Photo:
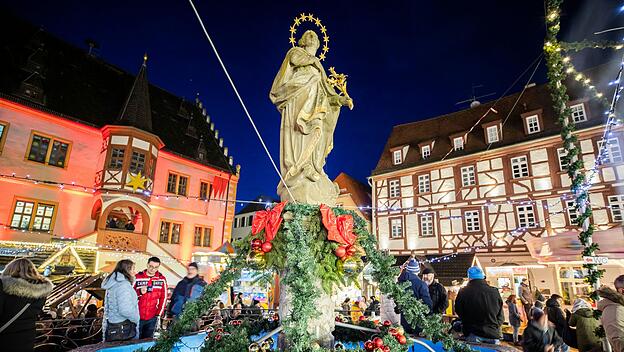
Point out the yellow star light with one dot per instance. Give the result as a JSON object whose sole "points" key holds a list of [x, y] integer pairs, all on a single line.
{"points": [[322, 56], [297, 21], [323, 29], [317, 22], [311, 17], [292, 40], [325, 48], [137, 182], [293, 29], [325, 38]]}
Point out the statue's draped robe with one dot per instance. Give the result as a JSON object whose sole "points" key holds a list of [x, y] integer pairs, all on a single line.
{"points": [[309, 109]]}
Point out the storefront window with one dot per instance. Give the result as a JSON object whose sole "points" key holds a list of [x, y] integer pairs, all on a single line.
{"points": [[573, 283]]}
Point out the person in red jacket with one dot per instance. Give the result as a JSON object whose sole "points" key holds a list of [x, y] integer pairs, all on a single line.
{"points": [[151, 287]]}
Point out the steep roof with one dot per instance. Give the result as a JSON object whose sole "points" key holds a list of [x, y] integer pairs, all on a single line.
{"points": [[254, 207], [86, 89], [360, 192], [440, 129]]}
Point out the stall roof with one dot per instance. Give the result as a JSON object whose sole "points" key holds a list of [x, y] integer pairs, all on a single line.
{"points": [[66, 288]]}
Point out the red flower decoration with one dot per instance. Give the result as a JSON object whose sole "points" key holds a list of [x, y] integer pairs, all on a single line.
{"points": [[269, 221], [339, 228]]}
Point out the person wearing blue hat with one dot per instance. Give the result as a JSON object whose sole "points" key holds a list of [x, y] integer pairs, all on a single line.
{"points": [[419, 290], [480, 309]]}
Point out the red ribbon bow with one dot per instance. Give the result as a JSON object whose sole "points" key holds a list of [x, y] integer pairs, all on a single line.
{"points": [[339, 228], [269, 221]]}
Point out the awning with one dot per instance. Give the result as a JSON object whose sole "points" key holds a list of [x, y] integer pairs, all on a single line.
{"points": [[567, 247]]}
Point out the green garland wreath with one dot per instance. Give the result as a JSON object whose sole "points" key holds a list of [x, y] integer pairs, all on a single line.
{"points": [[299, 235]]}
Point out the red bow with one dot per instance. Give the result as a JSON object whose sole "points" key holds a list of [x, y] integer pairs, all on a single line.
{"points": [[339, 228], [269, 221]]}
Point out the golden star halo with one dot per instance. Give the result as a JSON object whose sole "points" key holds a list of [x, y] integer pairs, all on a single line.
{"points": [[316, 21]]}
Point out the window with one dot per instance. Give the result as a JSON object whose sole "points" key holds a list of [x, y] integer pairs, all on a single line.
{"points": [[394, 188], [396, 228], [458, 143], [468, 176], [117, 158], [204, 190], [426, 151], [33, 215], [423, 184], [397, 157], [617, 206], [177, 184], [532, 124], [137, 163], [578, 113], [48, 150], [473, 222], [4, 128], [249, 220], [202, 236], [492, 134], [426, 225], [572, 211], [519, 167], [611, 152], [561, 154], [169, 232], [526, 216]]}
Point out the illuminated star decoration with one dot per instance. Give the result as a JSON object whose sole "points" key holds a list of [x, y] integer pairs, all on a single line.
{"points": [[137, 182], [317, 22]]}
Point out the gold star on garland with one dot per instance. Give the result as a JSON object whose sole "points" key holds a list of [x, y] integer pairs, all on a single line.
{"points": [[137, 182], [317, 21]]}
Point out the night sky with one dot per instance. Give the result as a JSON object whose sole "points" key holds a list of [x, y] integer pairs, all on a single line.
{"points": [[406, 60]]}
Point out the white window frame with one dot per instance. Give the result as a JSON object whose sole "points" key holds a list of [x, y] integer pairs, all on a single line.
{"points": [[578, 113], [613, 152], [573, 214], [616, 203], [397, 157], [520, 167], [492, 137], [472, 218], [524, 215], [561, 152], [458, 143], [426, 224], [424, 183], [468, 176], [425, 151], [394, 188], [532, 124], [396, 228]]}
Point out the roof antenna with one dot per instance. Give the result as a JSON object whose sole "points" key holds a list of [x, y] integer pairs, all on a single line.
{"points": [[473, 100]]}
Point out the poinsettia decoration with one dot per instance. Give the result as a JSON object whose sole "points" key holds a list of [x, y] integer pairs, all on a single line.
{"points": [[339, 229]]}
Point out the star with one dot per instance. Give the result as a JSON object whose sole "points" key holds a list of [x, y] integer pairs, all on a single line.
{"points": [[297, 21], [325, 38], [303, 17], [322, 56], [311, 17], [318, 22], [323, 29], [292, 40], [293, 29], [325, 48], [137, 182]]}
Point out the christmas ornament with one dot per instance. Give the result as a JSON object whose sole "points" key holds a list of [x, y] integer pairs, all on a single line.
{"points": [[368, 345], [339, 228], [254, 347], [256, 244], [218, 337], [340, 252], [350, 266], [266, 247], [269, 221], [387, 323], [137, 182], [266, 346], [402, 339], [378, 342], [339, 346], [385, 348]]}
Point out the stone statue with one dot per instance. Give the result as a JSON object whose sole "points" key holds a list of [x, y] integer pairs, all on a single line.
{"points": [[310, 107]]}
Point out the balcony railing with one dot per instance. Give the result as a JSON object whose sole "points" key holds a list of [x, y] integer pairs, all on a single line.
{"points": [[122, 240], [66, 334]]}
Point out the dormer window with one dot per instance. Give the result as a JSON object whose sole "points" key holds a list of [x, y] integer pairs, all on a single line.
{"points": [[397, 157], [425, 151], [532, 124], [492, 134], [578, 113], [458, 143]]}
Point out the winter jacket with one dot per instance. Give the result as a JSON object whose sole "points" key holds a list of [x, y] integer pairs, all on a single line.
{"points": [[480, 308], [612, 307], [524, 293], [121, 302], [585, 323], [534, 339], [514, 314], [439, 298], [187, 290], [557, 317], [153, 302], [15, 293], [420, 291]]}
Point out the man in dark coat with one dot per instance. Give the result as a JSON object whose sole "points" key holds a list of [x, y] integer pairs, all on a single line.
{"points": [[188, 289], [437, 292], [418, 288], [538, 336], [558, 318], [524, 293], [480, 308]]}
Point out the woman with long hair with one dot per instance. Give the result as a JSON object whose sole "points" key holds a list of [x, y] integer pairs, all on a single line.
{"points": [[23, 293], [121, 308], [514, 316]]}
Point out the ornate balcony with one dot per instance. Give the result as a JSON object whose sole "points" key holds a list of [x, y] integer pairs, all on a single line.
{"points": [[122, 240]]}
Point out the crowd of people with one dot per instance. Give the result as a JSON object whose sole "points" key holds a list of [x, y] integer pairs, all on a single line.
{"points": [[135, 302]]}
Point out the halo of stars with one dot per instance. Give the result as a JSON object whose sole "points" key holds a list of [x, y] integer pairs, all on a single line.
{"points": [[316, 21]]}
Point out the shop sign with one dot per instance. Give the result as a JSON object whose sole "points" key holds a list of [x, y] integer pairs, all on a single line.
{"points": [[596, 260], [15, 252]]}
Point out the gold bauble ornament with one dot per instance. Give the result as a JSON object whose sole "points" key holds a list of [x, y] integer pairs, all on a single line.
{"points": [[400, 330], [254, 347], [350, 266], [266, 346]]}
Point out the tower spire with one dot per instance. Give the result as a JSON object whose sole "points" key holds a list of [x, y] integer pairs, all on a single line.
{"points": [[136, 111]]}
